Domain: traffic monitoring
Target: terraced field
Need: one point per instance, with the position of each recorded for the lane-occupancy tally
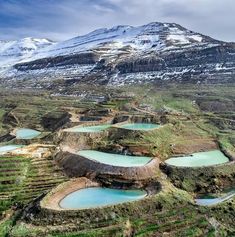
(181, 221)
(194, 119)
(23, 179)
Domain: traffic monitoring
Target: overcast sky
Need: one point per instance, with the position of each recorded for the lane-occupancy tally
(64, 19)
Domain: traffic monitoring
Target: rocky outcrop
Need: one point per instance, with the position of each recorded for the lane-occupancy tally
(79, 141)
(187, 63)
(136, 118)
(6, 137)
(66, 60)
(54, 120)
(146, 64)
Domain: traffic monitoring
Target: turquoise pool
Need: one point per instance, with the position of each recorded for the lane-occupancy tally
(114, 159)
(199, 159)
(213, 200)
(26, 133)
(90, 129)
(99, 197)
(139, 126)
(7, 148)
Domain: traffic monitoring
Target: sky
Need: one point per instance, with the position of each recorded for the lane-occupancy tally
(63, 19)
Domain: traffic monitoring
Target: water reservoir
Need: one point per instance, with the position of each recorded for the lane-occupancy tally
(89, 129)
(199, 159)
(139, 126)
(8, 148)
(209, 200)
(114, 159)
(26, 133)
(99, 197)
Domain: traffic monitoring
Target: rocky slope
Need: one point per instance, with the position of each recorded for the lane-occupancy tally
(156, 52)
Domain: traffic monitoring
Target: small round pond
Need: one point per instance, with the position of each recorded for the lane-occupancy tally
(114, 159)
(89, 129)
(199, 159)
(8, 148)
(26, 133)
(139, 126)
(99, 197)
(208, 200)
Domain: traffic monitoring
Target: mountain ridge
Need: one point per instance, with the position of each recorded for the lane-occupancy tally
(110, 55)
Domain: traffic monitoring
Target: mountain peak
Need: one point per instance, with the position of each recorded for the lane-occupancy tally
(13, 51)
(148, 37)
(120, 54)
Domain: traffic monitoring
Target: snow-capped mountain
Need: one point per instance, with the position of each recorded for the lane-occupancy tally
(142, 38)
(122, 54)
(16, 50)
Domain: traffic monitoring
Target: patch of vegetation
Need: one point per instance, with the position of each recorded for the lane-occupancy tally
(195, 115)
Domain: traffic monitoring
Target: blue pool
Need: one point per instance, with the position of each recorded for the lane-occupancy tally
(139, 126)
(199, 159)
(8, 148)
(98, 197)
(114, 159)
(26, 133)
(213, 200)
(89, 129)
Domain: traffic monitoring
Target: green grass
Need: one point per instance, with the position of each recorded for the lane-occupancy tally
(5, 228)
(160, 141)
(227, 142)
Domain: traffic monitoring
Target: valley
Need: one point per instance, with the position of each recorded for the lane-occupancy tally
(109, 147)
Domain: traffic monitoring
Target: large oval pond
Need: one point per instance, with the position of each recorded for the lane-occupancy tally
(114, 159)
(89, 129)
(26, 133)
(199, 159)
(99, 197)
(8, 148)
(139, 126)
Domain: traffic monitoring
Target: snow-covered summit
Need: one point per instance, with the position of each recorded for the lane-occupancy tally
(141, 38)
(16, 50)
(156, 50)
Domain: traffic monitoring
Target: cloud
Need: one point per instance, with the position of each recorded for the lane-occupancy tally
(63, 19)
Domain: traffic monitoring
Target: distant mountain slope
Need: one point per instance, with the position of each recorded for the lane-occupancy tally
(16, 50)
(155, 52)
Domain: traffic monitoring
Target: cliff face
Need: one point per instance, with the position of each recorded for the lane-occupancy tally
(214, 64)
(156, 52)
(67, 60)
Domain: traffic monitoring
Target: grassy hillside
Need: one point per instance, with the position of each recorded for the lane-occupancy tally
(195, 117)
